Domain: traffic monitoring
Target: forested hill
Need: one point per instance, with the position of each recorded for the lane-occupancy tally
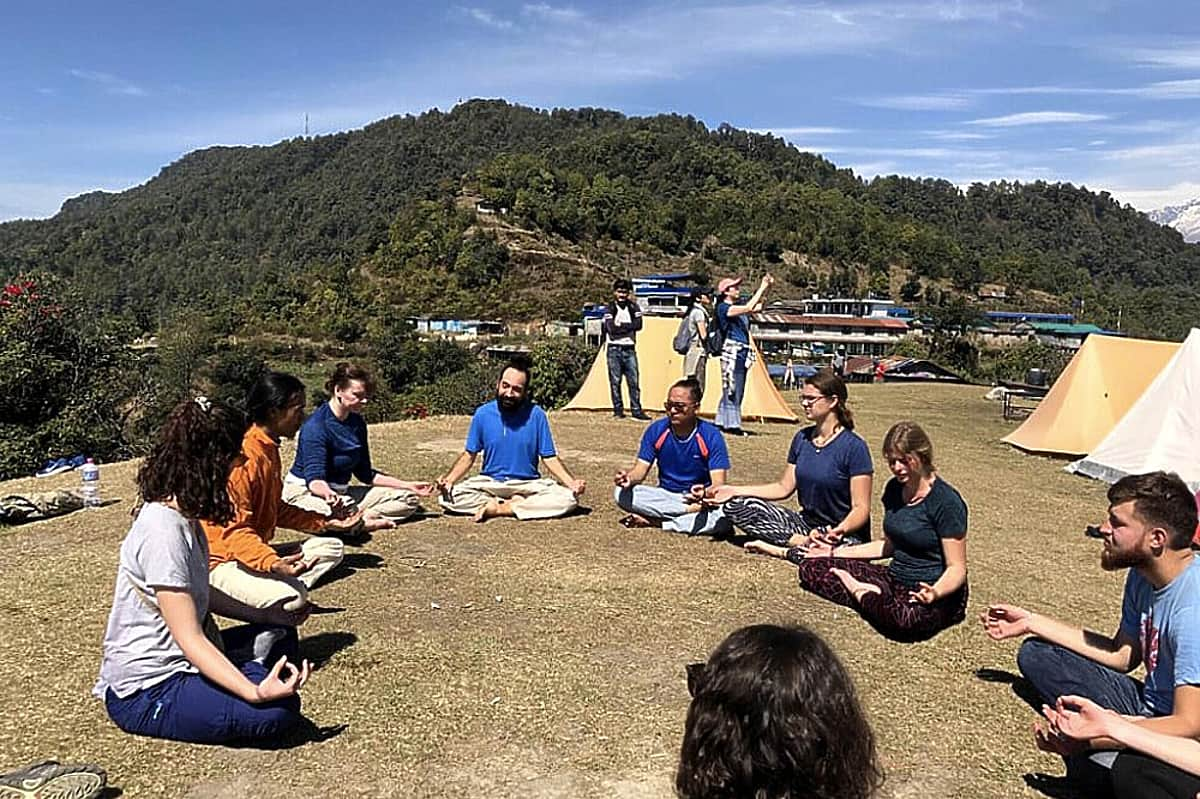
(307, 234)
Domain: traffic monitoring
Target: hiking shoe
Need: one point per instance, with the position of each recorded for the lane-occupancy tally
(640, 416)
(56, 466)
(53, 780)
(618, 415)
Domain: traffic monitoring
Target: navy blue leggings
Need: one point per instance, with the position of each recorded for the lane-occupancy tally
(189, 707)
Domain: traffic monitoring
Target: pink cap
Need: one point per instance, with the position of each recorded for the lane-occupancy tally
(727, 283)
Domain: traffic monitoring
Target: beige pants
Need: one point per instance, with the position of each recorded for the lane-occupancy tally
(394, 503)
(694, 363)
(266, 589)
(540, 499)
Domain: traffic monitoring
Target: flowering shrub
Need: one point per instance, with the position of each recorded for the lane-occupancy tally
(60, 378)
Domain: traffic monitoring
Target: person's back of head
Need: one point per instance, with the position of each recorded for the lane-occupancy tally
(774, 715)
(191, 457)
(1160, 499)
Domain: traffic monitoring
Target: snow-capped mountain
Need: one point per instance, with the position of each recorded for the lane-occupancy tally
(1184, 218)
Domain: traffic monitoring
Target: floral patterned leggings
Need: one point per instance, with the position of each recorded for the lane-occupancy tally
(890, 612)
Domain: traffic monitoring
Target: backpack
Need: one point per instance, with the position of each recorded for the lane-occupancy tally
(683, 336)
(714, 342)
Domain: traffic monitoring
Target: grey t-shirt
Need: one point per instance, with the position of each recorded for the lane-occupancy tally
(162, 550)
(695, 317)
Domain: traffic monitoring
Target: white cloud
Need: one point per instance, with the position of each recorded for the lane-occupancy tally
(31, 200)
(957, 135)
(1188, 89)
(1037, 118)
(670, 41)
(1151, 199)
(918, 102)
(1185, 55)
(787, 133)
(111, 84)
(487, 18)
(551, 13)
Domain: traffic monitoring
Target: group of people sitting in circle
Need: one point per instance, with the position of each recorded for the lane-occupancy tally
(212, 492)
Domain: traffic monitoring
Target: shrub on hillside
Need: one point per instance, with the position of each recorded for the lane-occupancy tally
(61, 378)
(559, 367)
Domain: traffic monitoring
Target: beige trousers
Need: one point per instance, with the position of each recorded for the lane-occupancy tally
(694, 363)
(394, 503)
(540, 499)
(266, 589)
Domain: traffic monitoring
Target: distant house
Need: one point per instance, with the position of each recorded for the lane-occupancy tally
(810, 335)
(559, 327)
(993, 291)
(487, 209)
(456, 328)
(1064, 336)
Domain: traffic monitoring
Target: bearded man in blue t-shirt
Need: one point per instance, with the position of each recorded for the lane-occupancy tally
(513, 434)
(1151, 520)
(691, 456)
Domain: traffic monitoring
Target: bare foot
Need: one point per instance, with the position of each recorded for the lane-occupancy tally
(857, 588)
(494, 508)
(635, 520)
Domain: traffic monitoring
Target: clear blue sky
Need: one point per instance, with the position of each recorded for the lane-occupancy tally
(1101, 93)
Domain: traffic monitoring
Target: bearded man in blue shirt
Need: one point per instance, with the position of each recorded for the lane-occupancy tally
(513, 434)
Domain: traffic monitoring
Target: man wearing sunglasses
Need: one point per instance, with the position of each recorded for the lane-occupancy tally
(691, 456)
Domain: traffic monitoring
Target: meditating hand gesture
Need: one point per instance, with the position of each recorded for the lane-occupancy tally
(290, 565)
(277, 685)
(719, 495)
(925, 594)
(1005, 621)
(621, 479)
(1080, 718)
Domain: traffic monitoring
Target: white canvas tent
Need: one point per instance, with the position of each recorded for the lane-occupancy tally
(1161, 430)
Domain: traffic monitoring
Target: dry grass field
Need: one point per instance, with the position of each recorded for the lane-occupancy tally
(546, 659)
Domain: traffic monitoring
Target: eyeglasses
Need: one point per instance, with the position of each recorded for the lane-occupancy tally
(807, 399)
(678, 406)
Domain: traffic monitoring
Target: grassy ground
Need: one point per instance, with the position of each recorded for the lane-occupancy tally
(546, 659)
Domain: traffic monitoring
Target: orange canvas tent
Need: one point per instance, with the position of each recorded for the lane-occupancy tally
(659, 366)
(1102, 381)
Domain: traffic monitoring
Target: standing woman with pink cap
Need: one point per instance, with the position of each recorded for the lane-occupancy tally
(733, 320)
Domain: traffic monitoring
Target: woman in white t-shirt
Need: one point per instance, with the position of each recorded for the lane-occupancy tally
(165, 671)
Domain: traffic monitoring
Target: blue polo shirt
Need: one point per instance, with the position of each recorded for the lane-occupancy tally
(511, 443)
(681, 464)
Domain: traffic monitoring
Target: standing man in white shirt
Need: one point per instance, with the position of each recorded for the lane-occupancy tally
(622, 321)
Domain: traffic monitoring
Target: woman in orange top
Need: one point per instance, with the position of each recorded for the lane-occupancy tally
(243, 564)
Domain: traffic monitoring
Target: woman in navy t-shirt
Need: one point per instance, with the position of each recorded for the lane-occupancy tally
(828, 468)
(924, 589)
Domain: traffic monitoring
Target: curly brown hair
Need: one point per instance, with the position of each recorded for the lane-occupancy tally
(774, 715)
(191, 458)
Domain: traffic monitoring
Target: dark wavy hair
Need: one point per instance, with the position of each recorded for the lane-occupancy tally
(271, 392)
(345, 372)
(828, 383)
(1160, 499)
(774, 715)
(191, 458)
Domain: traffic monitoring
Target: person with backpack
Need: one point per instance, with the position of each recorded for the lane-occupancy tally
(732, 321)
(691, 456)
(692, 337)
